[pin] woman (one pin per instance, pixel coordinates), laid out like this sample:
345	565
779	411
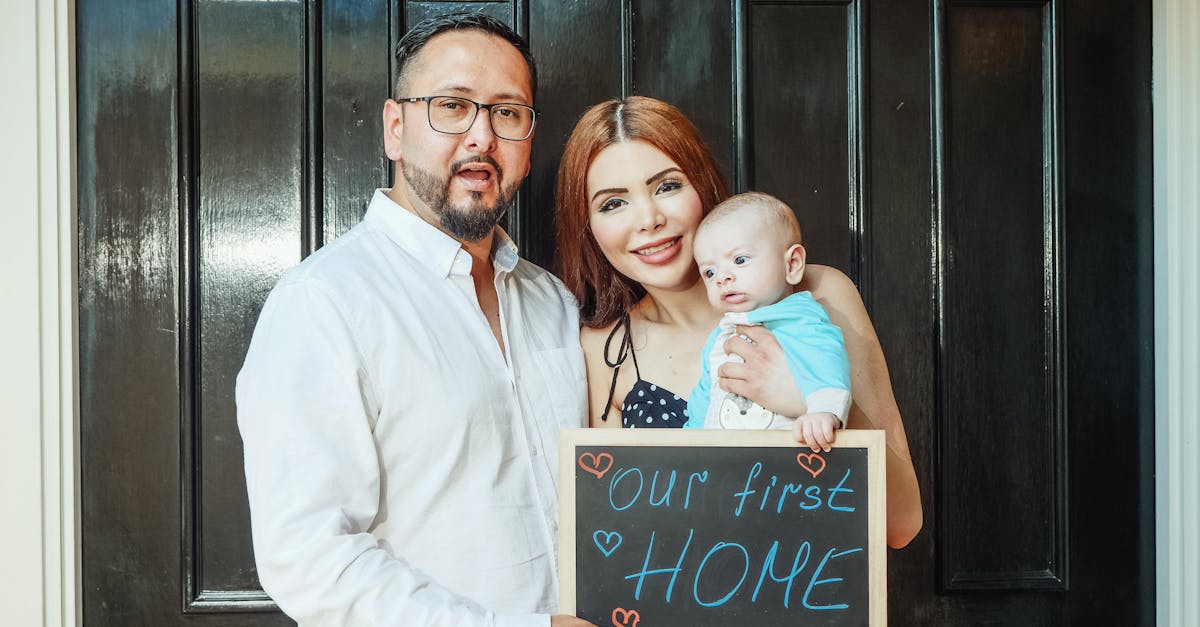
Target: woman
634	182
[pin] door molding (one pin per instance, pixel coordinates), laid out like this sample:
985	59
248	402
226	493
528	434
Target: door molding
39	453
1176	309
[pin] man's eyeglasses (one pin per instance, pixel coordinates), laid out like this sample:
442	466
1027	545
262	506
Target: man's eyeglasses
454	116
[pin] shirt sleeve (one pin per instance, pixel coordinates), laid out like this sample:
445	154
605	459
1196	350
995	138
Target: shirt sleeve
306	412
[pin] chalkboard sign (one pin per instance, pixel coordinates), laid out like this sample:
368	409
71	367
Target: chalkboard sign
669	528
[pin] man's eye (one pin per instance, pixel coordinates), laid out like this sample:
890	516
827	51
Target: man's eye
504	112
740	259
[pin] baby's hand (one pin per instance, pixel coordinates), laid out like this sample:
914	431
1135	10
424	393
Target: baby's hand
816	430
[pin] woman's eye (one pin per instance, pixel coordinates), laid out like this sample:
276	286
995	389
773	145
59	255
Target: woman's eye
610	204
668	186
740	259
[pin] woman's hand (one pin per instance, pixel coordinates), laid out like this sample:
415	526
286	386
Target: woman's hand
764	377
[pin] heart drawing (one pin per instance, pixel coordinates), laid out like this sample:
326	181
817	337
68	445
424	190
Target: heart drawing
606	541
598	465
813	463
625	618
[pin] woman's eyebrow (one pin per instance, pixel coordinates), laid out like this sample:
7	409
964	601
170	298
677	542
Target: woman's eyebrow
663	174
610	190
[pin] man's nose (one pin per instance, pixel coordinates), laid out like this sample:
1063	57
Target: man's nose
480	135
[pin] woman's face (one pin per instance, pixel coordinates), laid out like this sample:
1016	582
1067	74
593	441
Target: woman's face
643	212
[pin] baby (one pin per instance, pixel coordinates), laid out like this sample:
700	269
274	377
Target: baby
750	257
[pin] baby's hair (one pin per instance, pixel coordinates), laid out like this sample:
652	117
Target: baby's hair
767	210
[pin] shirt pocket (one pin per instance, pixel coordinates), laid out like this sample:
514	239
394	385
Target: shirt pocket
561	387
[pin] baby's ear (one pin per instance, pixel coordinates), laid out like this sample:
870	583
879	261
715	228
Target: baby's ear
794	260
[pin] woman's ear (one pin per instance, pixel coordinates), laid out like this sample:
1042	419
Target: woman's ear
794	259
393	126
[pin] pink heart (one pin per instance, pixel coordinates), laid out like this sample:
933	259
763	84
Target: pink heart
628	618
595	466
813	463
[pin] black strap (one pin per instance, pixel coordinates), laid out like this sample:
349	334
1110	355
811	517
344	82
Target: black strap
624	349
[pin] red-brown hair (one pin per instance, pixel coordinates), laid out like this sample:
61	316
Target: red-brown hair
603	293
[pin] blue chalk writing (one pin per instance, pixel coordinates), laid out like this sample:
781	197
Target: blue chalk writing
606	541
617	479
788	488
769	569
834	491
646	570
700	570
666	497
814	582
754	472
703	477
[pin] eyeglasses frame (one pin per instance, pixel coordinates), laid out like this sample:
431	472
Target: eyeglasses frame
478	105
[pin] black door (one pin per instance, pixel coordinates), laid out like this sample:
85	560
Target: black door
982	169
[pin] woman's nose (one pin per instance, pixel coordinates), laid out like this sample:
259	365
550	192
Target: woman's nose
651	217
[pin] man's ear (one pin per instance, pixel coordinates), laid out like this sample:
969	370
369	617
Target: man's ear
393	127
794	259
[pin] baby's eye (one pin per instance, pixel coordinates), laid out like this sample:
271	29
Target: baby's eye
740	259
668	186
610	204
708	273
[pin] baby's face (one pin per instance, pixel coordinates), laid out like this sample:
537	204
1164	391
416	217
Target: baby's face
743	265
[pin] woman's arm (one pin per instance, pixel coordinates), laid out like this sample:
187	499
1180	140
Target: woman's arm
765	379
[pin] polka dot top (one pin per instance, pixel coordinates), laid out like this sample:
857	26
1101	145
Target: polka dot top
646	405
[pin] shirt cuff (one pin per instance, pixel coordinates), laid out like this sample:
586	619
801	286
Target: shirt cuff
832	400
522	620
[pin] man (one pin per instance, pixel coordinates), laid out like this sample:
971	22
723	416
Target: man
403	391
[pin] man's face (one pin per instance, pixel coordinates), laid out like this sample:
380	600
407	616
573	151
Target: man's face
461	183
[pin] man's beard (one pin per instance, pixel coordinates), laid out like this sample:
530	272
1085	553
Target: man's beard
469	223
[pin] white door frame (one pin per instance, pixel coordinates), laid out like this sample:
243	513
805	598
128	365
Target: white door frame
39	452
1176	80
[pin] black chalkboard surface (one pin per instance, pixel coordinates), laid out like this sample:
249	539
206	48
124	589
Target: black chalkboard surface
671	528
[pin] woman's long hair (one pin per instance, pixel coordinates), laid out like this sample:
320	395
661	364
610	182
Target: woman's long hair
603	293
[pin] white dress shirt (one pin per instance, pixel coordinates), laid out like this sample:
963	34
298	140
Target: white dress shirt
401	470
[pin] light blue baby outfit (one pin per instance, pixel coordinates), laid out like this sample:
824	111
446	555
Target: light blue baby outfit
815	353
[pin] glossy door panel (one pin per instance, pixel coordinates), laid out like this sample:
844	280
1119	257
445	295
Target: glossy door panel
980	168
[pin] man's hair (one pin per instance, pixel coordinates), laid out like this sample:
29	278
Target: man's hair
603	292
764	209
415	39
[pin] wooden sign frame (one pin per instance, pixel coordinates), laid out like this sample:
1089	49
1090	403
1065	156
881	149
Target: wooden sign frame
572	439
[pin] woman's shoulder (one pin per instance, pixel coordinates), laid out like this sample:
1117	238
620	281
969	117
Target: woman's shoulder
827	281
592	339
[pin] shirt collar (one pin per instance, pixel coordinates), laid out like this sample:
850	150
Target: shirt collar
442	254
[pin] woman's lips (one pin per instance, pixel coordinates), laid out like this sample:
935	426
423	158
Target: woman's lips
660	252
